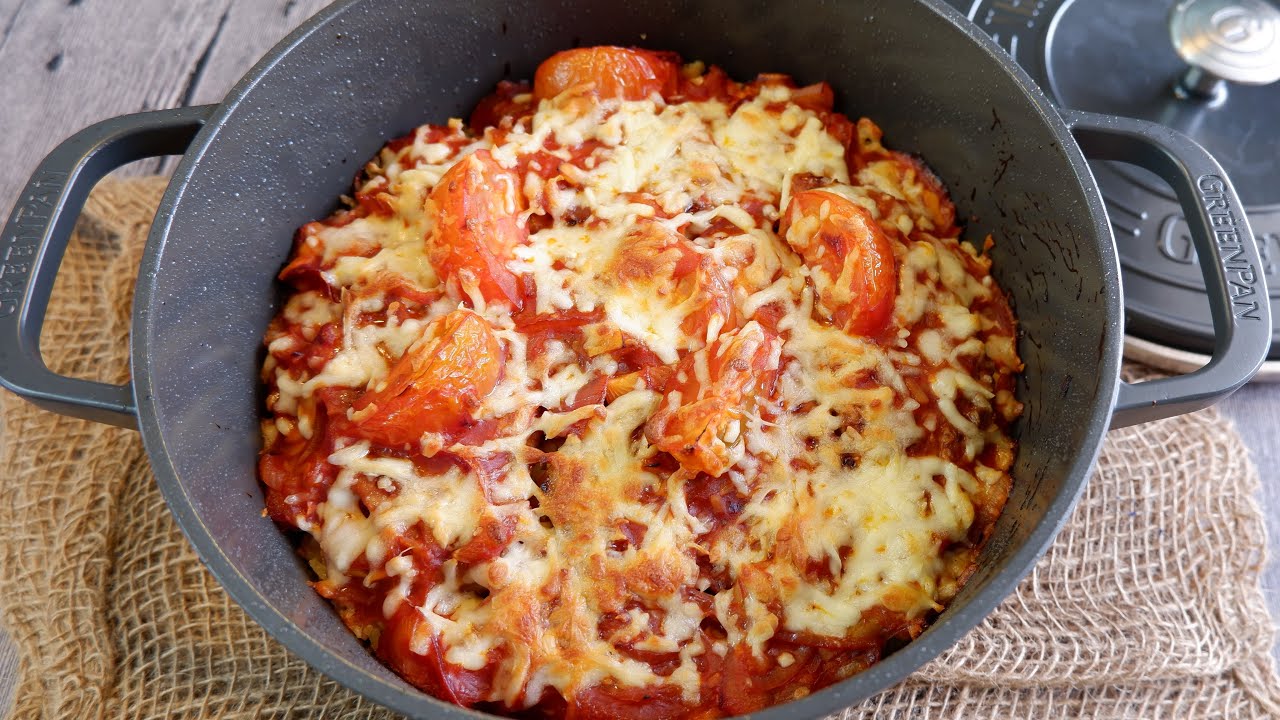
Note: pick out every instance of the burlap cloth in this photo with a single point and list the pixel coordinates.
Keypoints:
(1147, 606)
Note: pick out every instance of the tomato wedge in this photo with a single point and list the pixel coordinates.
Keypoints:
(849, 256)
(750, 684)
(611, 72)
(630, 703)
(509, 100)
(428, 671)
(491, 538)
(700, 421)
(477, 207)
(659, 261)
(436, 385)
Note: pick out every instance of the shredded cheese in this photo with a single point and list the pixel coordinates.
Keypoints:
(569, 550)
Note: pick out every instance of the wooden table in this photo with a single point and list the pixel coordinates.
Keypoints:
(68, 63)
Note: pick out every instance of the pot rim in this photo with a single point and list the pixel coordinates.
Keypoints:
(944, 632)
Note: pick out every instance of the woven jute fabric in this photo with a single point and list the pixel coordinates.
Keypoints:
(1147, 605)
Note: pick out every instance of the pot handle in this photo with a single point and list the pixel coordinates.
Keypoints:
(35, 239)
(1238, 298)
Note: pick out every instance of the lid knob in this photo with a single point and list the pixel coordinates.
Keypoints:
(1235, 40)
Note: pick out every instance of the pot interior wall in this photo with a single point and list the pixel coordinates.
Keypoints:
(377, 68)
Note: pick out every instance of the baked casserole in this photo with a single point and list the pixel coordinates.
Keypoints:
(644, 393)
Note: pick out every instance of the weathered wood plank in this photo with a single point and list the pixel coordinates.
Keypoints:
(252, 28)
(248, 29)
(70, 63)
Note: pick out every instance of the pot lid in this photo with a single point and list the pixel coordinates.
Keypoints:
(1208, 68)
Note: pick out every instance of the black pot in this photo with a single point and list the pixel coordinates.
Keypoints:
(291, 134)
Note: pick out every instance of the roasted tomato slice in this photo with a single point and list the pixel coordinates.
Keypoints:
(477, 208)
(436, 385)
(491, 538)
(850, 258)
(509, 100)
(818, 97)
(611, 72)
(700, 420)
(660, 263)
(410, 647)
(749, 683)
(612, 702)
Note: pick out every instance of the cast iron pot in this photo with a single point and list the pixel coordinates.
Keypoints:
(287, 140)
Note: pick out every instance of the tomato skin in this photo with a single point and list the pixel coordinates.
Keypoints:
(819, 97)
(401, 298)
(613, 72)
(477, 206)
(714, 84)
(490, 540)
(656, 259)
(852, 260)
(508, 100)
(557, 324)
(699, 431)
(429, 671)
(436, 385)
(629, 703)
(749, 683)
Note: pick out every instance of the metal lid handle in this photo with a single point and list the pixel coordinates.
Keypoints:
(1225, 41)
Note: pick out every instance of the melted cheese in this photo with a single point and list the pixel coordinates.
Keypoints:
(766, 147)
(835, 514)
